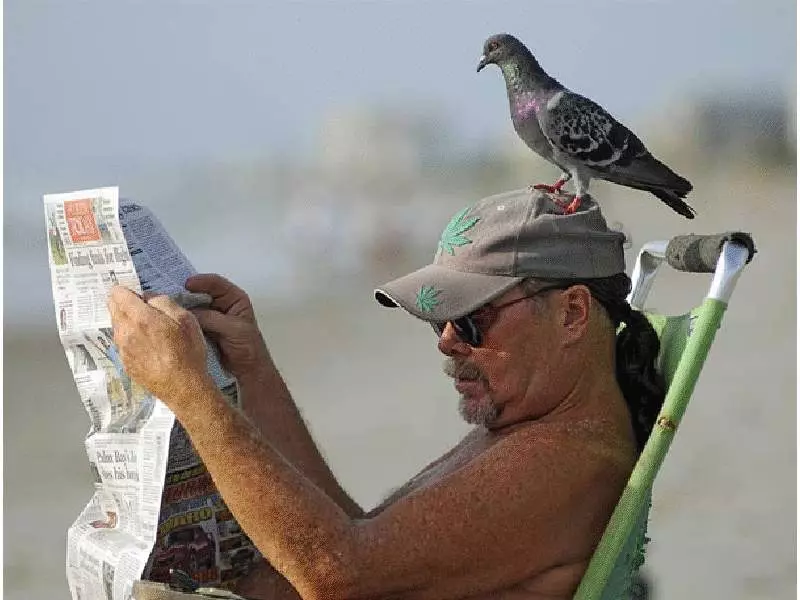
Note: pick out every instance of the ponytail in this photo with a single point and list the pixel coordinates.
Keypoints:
(642, 385)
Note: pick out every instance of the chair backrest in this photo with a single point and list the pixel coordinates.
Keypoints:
(685, 342)
(673, 333)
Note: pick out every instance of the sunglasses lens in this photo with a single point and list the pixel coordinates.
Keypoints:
(468, 331)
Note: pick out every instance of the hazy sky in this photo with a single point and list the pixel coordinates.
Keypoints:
(162, 79)
(95, 89)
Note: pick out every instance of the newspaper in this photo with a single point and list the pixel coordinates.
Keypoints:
(154, 505)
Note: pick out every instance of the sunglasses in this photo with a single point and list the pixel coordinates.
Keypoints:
(471, 328)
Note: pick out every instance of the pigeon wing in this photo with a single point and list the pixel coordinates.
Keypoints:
(582, 131)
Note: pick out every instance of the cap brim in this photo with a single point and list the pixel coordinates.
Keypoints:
(437, 294)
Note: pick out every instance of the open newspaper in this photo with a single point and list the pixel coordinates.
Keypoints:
(154, 505)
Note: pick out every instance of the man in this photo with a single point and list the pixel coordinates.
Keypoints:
(525, 303)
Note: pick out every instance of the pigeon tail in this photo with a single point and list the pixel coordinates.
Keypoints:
(672, 199)
(647, 170)
(649, 174)
(669, 178)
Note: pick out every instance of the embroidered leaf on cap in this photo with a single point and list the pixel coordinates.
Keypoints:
(427, 298)
(453, 235)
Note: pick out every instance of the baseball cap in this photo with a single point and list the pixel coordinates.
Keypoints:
(488, 248)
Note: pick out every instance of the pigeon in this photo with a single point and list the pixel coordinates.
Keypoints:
(576, 134)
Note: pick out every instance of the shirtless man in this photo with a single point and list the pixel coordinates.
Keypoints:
(525, 303)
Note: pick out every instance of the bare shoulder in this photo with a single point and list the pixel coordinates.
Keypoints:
(569, 475)
(594, 440)
(520, 503)
(572, 454)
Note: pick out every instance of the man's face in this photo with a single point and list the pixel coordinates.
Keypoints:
(498, 381)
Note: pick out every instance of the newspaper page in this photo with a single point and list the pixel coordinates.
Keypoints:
(154, 506)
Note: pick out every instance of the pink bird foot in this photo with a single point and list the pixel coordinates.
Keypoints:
(551, 189)
(573, 206)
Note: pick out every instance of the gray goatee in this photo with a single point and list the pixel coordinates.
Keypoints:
(483, 412)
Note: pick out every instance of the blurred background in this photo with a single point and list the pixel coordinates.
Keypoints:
(313, 150)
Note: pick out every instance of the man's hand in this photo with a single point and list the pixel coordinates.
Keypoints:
(231, 323)
(160, 343)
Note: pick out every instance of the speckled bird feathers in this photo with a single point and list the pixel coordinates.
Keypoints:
(581, 132)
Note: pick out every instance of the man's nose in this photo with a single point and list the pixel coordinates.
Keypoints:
(451, 344)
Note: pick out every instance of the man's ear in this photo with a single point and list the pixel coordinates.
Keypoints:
(576, 305)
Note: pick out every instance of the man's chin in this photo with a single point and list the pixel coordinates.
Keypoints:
(470, 388)
(477, 410)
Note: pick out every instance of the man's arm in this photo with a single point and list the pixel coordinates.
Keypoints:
(264, 396)
(267, 402)
(297, 527)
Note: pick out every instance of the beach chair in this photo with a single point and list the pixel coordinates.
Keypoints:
(685, 343)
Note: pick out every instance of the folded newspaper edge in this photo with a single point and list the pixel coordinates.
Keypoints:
(154, 505)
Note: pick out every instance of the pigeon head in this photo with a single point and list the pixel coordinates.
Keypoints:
(501, 48)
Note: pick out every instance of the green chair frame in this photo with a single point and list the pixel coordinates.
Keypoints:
(685, 343)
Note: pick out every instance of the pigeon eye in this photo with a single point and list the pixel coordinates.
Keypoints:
(493, 46)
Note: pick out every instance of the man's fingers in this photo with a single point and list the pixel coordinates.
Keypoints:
(227, 296)
(211, 283)
(122, 301)
(120, 295)
(158, 341)
(212, 321)
(169, 307)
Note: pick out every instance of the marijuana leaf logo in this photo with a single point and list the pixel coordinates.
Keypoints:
(427, 298)
(453, 234)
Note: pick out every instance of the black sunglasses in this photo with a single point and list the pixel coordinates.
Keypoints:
(471, 328)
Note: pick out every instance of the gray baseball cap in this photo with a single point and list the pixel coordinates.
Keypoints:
(488, 248)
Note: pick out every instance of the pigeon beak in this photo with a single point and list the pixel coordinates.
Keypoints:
(483, 62)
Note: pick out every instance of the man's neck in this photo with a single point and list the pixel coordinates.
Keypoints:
(587, 389)
(591, 391)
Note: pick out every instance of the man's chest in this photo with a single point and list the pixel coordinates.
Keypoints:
(437, 472)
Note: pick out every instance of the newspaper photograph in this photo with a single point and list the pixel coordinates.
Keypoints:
(154, 506)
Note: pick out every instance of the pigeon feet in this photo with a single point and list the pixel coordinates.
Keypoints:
(560, 203)
(569, 207)
(572, 207)
(551, 189)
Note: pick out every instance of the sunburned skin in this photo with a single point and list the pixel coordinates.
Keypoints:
(600, 441)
